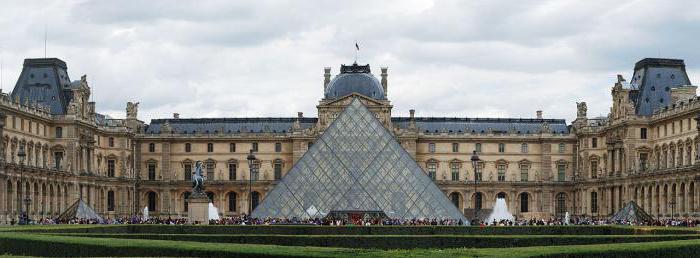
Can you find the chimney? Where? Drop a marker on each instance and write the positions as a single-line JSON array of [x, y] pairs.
[[176, 115], [413, 113], [300, 114], [539, 114], [384, 81], [326, 77]]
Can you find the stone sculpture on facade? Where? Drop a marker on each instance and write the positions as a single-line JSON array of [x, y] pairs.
[[581, 109]]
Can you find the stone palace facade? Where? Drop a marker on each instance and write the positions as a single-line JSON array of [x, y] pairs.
[[644, 150]]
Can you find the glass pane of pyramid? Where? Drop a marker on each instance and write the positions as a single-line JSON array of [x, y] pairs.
[[356, 165]]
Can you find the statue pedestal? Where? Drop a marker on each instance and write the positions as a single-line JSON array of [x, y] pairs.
[[198, 209]]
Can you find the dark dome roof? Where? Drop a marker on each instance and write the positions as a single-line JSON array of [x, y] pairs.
[[354, 79]]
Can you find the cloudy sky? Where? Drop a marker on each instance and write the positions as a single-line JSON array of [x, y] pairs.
[[266, 58]]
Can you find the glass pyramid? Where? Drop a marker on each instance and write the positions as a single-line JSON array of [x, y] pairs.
[[356, 165], [633, 213]]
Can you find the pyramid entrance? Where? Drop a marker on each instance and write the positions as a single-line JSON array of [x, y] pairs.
[[357, 168]]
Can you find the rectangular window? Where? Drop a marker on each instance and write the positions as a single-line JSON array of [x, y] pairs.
[[594, 143], [501, 147], [524, 172], [673, 128], [30, 126], [501, 172], [151, 147], [110, 168], [21, 124], [255, 169], [188, 172], [666, 130], [688, 124], [111, 141], [455, 147], [680, 125], [431, 147], [594, 202], [255, 147], [232, 171], [477, 147], [562, 148], [210, 170], [151, 171], [561, 172], [278, 170], [110, 201], [594, 169], [643, 160], [188, 147], [643, 133], [432, 170], [14, 122], [455, 171], [59, 132], [210, 147], [478, 173], [523, 148], [232, 147], [278, 147]]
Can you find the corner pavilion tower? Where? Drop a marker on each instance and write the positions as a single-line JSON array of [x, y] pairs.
[[356, 169]]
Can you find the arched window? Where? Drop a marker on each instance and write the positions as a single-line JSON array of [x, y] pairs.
[[524, 202], [560, 207], [152, 201], [501, 195], [232, 201], [110, 201], [478, 198], [454, 197], [278, 169], [256, 199]]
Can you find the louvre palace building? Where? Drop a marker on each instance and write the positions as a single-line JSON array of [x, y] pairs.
[[57, 149]]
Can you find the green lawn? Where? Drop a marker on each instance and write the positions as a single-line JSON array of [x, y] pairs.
[[52, 242]]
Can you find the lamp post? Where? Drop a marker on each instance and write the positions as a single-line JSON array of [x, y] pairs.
[[673, 205], [251, 159], [23, 214], [475, 163]]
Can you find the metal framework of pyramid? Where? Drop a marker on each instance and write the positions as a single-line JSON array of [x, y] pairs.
[[79, 210], [356, 165], [633, 213]]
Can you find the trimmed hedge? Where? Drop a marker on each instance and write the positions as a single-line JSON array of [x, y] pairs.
[[400, 242], [353, 230], [48, 245]]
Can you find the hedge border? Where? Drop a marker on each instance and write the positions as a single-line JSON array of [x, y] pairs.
[[401, 242]]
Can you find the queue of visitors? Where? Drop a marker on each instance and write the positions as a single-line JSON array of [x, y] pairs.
[[245, 220]]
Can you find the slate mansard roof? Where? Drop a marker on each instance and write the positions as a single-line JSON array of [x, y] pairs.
[[652, 82], [425, 124], [482, 125], [230, 125], [44, 81]]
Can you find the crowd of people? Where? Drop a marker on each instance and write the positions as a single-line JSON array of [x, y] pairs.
[[245, 220]]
